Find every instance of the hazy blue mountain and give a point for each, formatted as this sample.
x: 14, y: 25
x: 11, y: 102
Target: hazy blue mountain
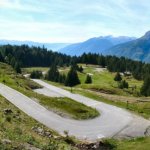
x: 49, y: 46
x: 138, y: 49
x: 94, y: 45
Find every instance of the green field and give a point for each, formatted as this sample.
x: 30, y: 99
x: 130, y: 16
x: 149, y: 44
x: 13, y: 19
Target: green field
x: 75, y: 110
x: 103, y: 81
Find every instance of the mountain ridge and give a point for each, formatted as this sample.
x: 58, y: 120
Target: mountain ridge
x: 94, y: 45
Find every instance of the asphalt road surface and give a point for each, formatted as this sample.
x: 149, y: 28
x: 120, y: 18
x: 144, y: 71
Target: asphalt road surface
x: 112, y: 120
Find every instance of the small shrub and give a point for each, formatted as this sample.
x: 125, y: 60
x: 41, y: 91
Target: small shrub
x: 88, y: 79
x: 4, y: 81
x: 80, y: 69
x: 118, y: 77
x: 123, y: 84
x: 8, y: 119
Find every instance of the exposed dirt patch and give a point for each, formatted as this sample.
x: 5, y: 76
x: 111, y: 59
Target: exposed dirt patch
x: 108, y: 95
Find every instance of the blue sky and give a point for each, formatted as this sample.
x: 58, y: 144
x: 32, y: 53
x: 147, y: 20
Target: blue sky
x: 72, y: 20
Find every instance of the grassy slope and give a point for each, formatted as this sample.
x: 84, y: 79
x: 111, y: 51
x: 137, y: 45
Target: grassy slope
x: 18, y: 82
x: 17, y: 127
x: 104, y: 81
x: 137, y: 144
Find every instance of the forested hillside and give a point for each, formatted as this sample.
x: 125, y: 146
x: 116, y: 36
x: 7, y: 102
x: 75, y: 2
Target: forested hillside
x: 31, y: 56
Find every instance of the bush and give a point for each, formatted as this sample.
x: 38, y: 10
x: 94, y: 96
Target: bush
x: 80, y: 69
x: 118, y: 77
x: 8, y: 119
x: 88, y: 79
x: 36, y: 74
x: 123, y: 84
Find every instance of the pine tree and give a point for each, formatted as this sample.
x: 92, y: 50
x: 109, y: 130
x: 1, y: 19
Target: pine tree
x: 53, y: 74
x: 118, y: 77
x: 88, y: 79
x: 17, y: 67
x: 72, y: 78
x: 12, y: 62
x: 145, y: 90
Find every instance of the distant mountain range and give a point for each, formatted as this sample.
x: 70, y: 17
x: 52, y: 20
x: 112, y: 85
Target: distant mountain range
x: 130, y: 47
x: 95, y: 45
x: 138, y: 49
x: 49, y: 46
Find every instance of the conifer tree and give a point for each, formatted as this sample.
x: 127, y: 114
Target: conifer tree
x: 145, y: 90
x: 53, y: 73
x: 17, y: 67
x: 72, y: 78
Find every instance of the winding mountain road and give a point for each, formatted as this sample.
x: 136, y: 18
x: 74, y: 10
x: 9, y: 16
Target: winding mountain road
x: 113, y: 120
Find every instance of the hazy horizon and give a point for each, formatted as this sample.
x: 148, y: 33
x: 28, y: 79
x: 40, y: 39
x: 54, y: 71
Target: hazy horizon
x: 62, y: 21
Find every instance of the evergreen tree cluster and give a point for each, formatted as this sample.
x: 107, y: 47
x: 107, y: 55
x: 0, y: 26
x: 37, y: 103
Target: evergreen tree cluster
x: 27, y: 56
x: 54, y: 75
x: 70, y: 80
x: 138, y: 69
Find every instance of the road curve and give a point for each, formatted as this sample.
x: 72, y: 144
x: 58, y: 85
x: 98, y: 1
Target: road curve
x: 127, y: 124
x: 111, y: 121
